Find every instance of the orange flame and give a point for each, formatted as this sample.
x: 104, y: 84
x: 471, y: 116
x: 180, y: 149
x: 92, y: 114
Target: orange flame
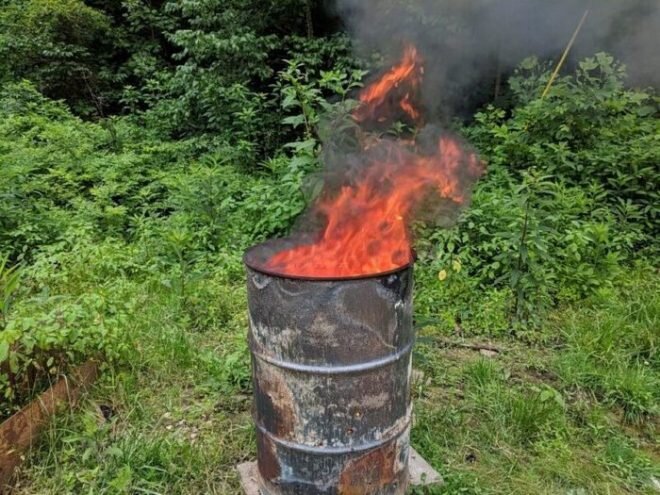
x: 366, y: 222
x: 394, y: 89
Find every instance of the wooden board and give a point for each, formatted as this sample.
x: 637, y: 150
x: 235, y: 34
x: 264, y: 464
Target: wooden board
x: 21, y: 430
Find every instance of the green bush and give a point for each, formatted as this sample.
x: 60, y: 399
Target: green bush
x: 61, y: 173
x: 568, y: 199
x: 228, y: 56
x: 105, y: 217
x: 590, y: 132
x: 62, y: 46
x: 523, y: 246
x: 69, y: 307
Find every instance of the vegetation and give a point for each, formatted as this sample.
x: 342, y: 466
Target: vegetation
x: 146, y: 145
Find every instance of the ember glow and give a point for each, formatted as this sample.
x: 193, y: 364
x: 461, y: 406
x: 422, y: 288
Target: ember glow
x: 366, y: 220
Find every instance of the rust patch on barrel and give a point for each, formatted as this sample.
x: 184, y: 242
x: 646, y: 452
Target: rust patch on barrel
x: 269, y: 465
x: 275, y: 403
x: 370, y: 473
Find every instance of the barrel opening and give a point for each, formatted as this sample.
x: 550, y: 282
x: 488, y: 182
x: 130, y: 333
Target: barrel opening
x: 256, y: 258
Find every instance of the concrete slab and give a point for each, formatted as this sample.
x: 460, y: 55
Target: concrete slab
x: 421, y: 474
x: 248, y: 473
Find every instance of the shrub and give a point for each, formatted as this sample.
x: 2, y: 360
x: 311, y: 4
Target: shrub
x: 568, y: 199
x: 69, y: 310
x: 60, y: 172
x: 590, y: 132
x: 228, y: 55
x: 61, y: 46
x: 524, y: 247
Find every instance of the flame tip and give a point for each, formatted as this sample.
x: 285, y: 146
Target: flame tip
x: 366, y: 220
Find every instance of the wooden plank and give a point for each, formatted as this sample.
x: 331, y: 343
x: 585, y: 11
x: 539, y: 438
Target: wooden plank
x: 21, y: 430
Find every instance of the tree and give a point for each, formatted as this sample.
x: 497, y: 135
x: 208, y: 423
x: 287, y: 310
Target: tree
x: 62, y: 46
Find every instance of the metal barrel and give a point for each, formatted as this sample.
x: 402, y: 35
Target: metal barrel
x: 331, y: 368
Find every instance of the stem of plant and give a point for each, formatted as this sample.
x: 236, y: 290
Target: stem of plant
x: 523, y: 240
x: 565, y: 55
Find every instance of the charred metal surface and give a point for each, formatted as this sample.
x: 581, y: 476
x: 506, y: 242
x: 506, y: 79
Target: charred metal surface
x: 331, y: 371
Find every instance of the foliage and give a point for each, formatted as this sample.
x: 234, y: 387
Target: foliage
x: 569, y: 196
x: 59, y: 45
x: 122, y: 239
x: 591, y: 132
x: 68, y: 311
x: 614, y: 345
x: 540, y: 240
x: 306, y: 110
x: 198, y: 66
x: 10, y: 277
x: 100, y: 211
x: 228, y: 55
x: 61, y: 173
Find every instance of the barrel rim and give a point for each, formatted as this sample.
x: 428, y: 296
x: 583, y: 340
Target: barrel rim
x: 274, y: 273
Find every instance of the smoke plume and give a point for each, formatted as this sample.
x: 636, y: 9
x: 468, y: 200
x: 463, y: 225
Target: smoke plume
x: 468, y: 41
x: 436, y: 54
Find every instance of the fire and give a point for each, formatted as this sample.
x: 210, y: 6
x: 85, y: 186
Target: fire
x: 366, y: 222
x: 393, y: 90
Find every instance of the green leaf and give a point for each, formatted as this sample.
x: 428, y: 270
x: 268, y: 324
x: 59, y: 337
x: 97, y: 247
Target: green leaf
x: 122, y: 481
x: 295, y: 120
x: 4, y: 351
x: 588, y: 64
x: 529, y: 63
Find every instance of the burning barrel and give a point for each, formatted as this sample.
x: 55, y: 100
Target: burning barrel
x: 331, y: 305
x: 331, y: 363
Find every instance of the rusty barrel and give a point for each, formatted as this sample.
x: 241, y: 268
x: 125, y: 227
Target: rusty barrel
x: 331, y: 367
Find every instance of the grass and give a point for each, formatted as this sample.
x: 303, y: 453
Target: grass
x: 175, y: 421
x: 576, y: 416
